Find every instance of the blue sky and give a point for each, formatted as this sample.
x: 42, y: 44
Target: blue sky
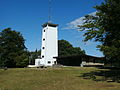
x: 27, y: 16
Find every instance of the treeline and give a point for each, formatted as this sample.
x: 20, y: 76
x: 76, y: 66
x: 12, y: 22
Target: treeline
x: 13, y: 52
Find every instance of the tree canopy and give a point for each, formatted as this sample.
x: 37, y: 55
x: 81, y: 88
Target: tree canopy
x: 13, y: 52
x: 66, y: 49
x: 104, y: 27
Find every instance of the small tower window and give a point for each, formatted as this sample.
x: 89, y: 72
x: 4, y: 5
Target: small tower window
x: 44, y: 30
x: 43, y: 39
x: 42, y: 56
x: 49, y: 62
x: 43, y: 47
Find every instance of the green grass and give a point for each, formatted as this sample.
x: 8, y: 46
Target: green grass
x: 51, y: 79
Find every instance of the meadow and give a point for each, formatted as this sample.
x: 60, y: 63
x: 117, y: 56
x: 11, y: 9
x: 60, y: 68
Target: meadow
x: 64, y: 78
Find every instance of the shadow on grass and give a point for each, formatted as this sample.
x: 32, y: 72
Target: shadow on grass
x: 103, y: 74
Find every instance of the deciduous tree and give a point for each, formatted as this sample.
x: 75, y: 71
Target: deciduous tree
x: 104, y: 27
x: 66, y: 49
x: 12, y: 48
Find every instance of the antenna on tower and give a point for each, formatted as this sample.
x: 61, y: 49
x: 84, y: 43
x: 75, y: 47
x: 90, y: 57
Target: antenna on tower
x: 49, y: 16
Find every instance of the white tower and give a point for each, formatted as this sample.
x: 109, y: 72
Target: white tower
x: 49, y: 48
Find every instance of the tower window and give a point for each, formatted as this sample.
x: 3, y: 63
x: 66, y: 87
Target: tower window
x: 43, y: 47
x: 44, y: 30
x: 42, y: 56
x: 43, y: 39
x: 49, y: 62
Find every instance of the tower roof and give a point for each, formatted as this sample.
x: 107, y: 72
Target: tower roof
x: 49, y: 24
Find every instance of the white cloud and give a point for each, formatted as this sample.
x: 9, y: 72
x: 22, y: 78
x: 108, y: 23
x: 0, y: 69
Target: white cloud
x: 79, y: 21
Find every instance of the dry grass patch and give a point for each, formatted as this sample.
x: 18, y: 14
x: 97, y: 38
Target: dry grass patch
x: 66, y: 78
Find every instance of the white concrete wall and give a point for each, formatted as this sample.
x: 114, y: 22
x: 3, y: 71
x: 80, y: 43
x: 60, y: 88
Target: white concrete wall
x: 50, y: 45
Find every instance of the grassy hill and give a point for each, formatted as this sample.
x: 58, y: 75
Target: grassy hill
x: 67, y: 78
